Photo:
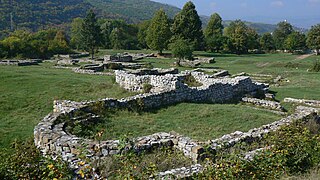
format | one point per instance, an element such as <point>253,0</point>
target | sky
<point>301,13</point>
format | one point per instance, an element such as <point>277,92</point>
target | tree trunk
<point>317,52</point>
<point>92,53</point>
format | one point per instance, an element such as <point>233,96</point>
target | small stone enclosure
<point>168,88</point>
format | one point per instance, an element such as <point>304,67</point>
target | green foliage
<point>117,34</point>
<point>76,26</point>
<point>313,38</point>
<point>132,11</point>
<point>187,25</point>
<point>142,33</point>
<point>295,41</point>
<point>291,150</point>
<point>213,33</point>
<point>191,81</point>
<point>147,88</point>
<point>266,42</point>
<point>117,38</point>
<point>39,14</point>
<point>42,44</point>
<point>158,33</point>
<point>24,161</point>
<point>316,66</point>
<point>143,165</point>
<point>240,38</point>
<point>90,32</point>
<point>280,34</point>
<point>181,49</point>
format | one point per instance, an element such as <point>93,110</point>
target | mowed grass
<point>299,83</point>
<point>198,121</point>
<point>27,94</point>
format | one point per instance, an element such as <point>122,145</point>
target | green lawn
<point>27,94</point>
<point>199,121</point>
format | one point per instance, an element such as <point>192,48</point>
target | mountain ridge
<point>40,14</point>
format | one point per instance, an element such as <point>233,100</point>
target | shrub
<point>147,88</point>
<point>24,161</point>
<point>191,81</point>
<point>316,66</point>
<point>291,150</point>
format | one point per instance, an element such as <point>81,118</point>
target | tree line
<point>181,35</point>
<point>184,34</point>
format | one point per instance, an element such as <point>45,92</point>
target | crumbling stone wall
<point>20,62</point>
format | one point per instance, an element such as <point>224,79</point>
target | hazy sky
<point>302,13</point>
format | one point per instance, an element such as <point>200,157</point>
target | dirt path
<point>303,56</point>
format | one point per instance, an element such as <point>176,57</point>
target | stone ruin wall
<point>52,138</point>
<point>20,62</point>
<point>172,81</point>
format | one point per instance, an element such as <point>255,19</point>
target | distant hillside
<point>38,14</point>
<point>259,27</point>
<point>35,14</point>
<point>132,11</point>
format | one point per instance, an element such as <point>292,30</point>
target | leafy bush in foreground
<point>24,161</point>
<point>292,150</point>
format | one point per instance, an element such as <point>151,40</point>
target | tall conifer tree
<point>187,25</point>
<point>90,33</point>
<point>158,33</point>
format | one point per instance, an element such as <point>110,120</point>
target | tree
<point>181,49</point>
<point>240,38</point>
<point>116,31</point>
<point>295,41</point>
<point>313,38</point>
<point>280,34</point>
<point>59,45</point>
<point>266,42</point>
<point>90,33</point>
<point>117,38</point>
<point>214,33</point>
<point>187,25</point>
<point>142,33</point>
<point>76,27</point>
<point>158,33</point>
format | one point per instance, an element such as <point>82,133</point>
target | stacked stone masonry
<point>20,62</point>
<point>51,137</point>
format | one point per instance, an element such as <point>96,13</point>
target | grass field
<point>198,121</point>
<point>26,94</point>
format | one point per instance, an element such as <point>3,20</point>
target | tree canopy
<point>313,38</point>
<point>187,26</point>
<point>240,37</point>
<point>283,30</point>
<point>214,33</point>
<point>158,33</point>
<point>90,32</point>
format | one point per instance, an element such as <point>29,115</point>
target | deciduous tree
<point>181,49</point>
<point>313,39</point>
<point>266,42</point>
<point>295,41</point>
<point>280,34</point>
